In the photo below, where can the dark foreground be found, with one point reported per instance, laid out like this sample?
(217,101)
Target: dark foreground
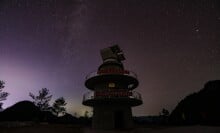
(42,128)
(60,128)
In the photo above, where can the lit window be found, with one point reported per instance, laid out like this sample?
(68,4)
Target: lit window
(111,85)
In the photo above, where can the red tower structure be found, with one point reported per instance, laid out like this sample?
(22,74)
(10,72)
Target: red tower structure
(112,94)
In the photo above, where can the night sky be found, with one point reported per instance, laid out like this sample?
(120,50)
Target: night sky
(172,45)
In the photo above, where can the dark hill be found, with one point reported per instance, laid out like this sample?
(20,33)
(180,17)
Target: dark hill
(27,111)
(199,108)
(21,111)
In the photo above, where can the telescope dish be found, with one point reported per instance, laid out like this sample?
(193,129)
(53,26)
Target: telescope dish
(113,52)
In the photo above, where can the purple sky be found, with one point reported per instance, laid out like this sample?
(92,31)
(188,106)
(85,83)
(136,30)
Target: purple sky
(173,46)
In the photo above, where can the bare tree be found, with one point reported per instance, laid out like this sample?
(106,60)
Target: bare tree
(3,95)
(58,106)
(42,99)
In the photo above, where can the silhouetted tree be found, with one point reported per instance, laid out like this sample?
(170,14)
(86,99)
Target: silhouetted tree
(58,106)
(42,100)
(3,95)
(165,112)
(164,115)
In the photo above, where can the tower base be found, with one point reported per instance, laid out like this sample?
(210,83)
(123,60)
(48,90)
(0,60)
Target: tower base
(112,117)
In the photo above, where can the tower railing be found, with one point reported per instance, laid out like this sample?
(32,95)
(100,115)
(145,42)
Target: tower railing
(95,73)
(91,95)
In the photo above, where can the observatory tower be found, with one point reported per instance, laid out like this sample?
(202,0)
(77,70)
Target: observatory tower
(112,94)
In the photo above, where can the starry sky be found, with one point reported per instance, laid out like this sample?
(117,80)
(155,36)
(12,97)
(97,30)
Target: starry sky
(172,45)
